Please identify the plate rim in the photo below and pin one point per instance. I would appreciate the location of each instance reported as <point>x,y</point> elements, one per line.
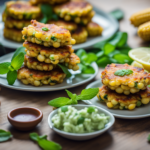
<point>50,89</point>
<point>116,115</point>
<point>75,47</point>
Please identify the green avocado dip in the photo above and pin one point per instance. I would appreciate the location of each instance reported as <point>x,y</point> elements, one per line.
<point>69,119</point>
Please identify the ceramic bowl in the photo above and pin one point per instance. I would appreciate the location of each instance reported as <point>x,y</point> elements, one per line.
<point>82,136</point>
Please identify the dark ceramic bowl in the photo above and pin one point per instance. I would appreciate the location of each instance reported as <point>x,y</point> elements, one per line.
<point>25,118</point>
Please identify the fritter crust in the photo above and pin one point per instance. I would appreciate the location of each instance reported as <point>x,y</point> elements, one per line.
<point>121,101</point>
<point>52,2</point>
<point>94,29</point>
<point>13,34</point>
<point>54,36</point>
<point>80,35</point>
<point>127,84</point>
<point>22,10</point>
<point>38,78</point>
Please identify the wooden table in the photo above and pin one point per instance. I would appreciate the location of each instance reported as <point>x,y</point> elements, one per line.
<point>125,134</point>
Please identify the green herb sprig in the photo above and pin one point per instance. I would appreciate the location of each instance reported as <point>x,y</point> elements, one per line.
<point>10,68</point>
<point>4,135</point>
<point>65,70</point>
<point>48,14</point>
<point>86,94</point>
<point>123,72</point>
<point>44,143</point>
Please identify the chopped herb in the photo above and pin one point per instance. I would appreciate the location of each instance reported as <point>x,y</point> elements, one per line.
<point>54,38</point>
<point>90,109</point>
<point>52,57</point>
<point>136,84</point>
<point>101,99</point>
<point>64,108</point>
<point>34,34</point>
<point>45,29</point>
<point>25,36</point>
<point>123,72</point>
<point>31,75</point>
<point>47,38</point>
<point>138,104</point>
<point>106,96</point>
<point>80,120</point>
<point>53,81</point>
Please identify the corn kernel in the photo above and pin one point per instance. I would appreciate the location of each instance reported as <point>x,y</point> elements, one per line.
<point>112,83</point>
<point>109,105</point>
<point>131,106</point>
<point>145,100</point>
<point>38,35</point>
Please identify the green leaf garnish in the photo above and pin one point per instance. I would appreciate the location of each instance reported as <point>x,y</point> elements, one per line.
<point>80,53</point>
<point>11,77</point>
<point>148,138</point>
<point>117,14</point>
<point>108,48</point>
<point>64,108</point>
<point>61,101</point>
<point>86,94</point>
<point>4,67</point>
<point>80,120</point>
<point>90,109</point>
<point>123,72</point>
<point>88,58</point>
<point>2,50</point>
<point>44,19</point>
<point>4,135</point>
<point>45,29</point>
<point>65,70</point>
<point>86,69</point>
<point>44,143</point>
<point>148,85</point>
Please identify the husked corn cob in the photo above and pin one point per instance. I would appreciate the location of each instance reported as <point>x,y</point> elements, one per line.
<point>47,34</point>
<point>33,63</point>
<point>94,29</point>
<point>126,84</point>
<point>22,10</point>
<point>80,35</point>
<point>71,26</point>
<point>77,10</point>
<point>121,101</point>
<point>52,2</point>
<point>13,34</point>
<point>13,23</point>
<point>144,31</point>
<point>140,17</point>
<point>38,78</point>
<point>48,54</point>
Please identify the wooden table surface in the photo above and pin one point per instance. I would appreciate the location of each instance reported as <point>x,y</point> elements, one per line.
<point>125,134</point>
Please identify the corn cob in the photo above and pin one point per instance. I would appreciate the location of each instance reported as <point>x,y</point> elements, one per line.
<point>144,31</point>
<point>140,17</point>
<point>13,34</point>
<point>47,34</point>
<point>38,78</point>
<point>127,84</point>
<point>94,29</point>
<point>121,101</point>
<point>22,10</point>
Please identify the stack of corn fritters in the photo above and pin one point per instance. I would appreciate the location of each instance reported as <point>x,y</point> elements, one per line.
<point>16,16</point>
<point>75,16</point>
<point>127,91</point>
<point>47,46</point>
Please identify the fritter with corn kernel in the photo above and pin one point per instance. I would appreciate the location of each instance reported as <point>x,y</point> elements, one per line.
<point>38,78</point>
<point>76,10</point>
<point>47,34</point>
<point>132,83</point>
<point>121,101</point>
<point>80,35</point>
<point>13,34</point>
<point>51,2</point>
<point>33,63</point>
<point>13,23</point>
<point>94,29</point>
<point>22,10</point>
<point>71,26</point>
<point>48,54</point>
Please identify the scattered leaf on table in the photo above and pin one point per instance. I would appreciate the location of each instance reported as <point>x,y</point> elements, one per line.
<point>4,135</point>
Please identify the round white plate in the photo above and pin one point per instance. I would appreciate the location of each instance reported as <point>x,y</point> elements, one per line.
<point>109,24</point>
<point>75,80</point>
<point>140,112</point>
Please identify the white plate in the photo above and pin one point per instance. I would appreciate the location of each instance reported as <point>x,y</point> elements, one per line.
<point>82,136</point>
<point>109,24</point>
<point>140,112</point>
<point>73,81</point>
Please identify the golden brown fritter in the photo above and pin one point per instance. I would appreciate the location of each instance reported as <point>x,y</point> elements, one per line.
<point>38,78</point>
<point>71,26</point>
<point>48,54</point>
<point>121,101</point>
<point>126,84</point>
<point>22,10</point>
<point>13,34</point>
<point>94,29</point>
<point>80,35</point>
<point>76,10</point>
<point>47,34</point>
<point>51,2</point>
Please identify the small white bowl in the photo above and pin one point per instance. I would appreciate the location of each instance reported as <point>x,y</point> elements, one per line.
<point>82,136</point>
